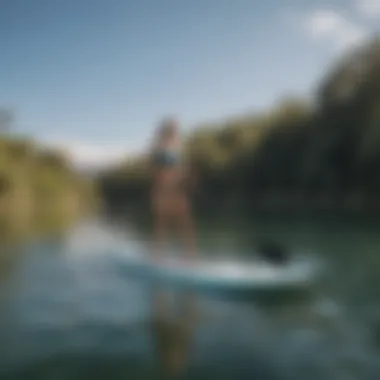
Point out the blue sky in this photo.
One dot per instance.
(94, 76)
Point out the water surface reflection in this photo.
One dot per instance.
(172, 332)
(71, 313)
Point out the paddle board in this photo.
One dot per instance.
(230, 276)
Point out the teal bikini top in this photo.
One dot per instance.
(166, 157)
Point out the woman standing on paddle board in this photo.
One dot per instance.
(170, 198)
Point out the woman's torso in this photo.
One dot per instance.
(168, 164)
(167, 157)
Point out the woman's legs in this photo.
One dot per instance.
(160, 225)
(186, 225)
(168, 208)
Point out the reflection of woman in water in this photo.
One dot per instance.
(170, 198)
(172, 336)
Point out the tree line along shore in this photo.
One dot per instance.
(39, 189)
(317, 153)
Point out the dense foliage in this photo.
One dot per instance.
(323, 152)
(38, 188)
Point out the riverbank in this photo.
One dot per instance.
(39, 189)
(269, 204)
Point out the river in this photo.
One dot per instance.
(69, 312)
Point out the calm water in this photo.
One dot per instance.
(69, 311)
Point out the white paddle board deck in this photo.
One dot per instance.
(224, 276)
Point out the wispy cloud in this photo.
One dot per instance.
(342, 28)
(367, 8)
(334, 28)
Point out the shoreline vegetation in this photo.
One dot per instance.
(318, 155)
(39, 190)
